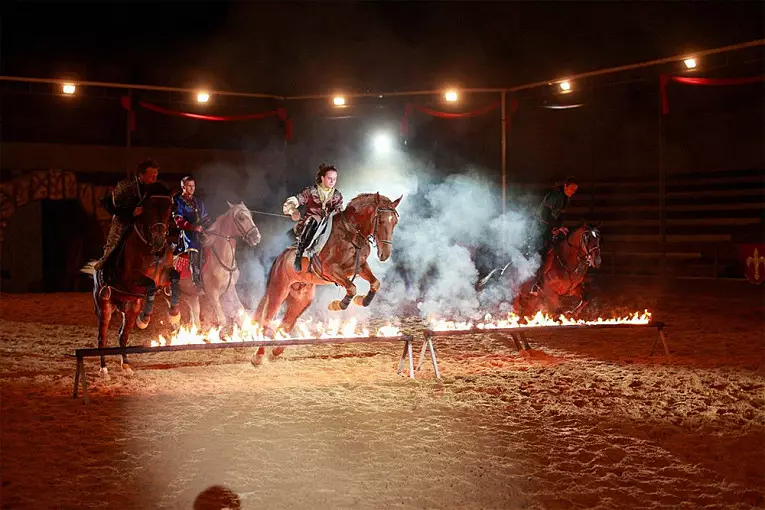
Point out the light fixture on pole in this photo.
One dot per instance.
(68, 88)
(690, 63)
(451, 96)
(338, 101)
(203, 96)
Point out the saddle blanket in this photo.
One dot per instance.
(181, 264)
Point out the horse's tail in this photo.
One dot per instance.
(89, 268)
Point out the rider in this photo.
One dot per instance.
(549, 221)
(190, 215)
(320, 200)
(124, 203)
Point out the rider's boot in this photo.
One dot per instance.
(305, 237)
(195, 267)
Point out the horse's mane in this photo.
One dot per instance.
(366, 199)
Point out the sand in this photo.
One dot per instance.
(586, 419)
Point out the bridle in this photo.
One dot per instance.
(376, 221)
(157, 231)
(243, 234)
(585, 253)
(372, 238)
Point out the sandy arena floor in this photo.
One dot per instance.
(585, 420)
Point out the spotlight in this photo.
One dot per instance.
(382, 142)
(690, 63)
(338, 101)
(451, 96)
(203, 97)
(68, 88)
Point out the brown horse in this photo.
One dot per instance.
(144, 258)
(220, 272)
(370, 217)
(565, 267)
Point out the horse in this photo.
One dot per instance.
(564, 269)
(220, 272)
(369, 217)
(139, 263)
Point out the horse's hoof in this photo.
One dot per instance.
(277, 351)
(358, 300)
(257, 360)
(128, 371)
(104, 373)
(334, 306)
(142, 322)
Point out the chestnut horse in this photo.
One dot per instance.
(370, 217)
(142, 261)
(565, 267)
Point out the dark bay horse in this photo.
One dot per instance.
(369, 217)
(143, 259)
(564, 267)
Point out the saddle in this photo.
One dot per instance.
(320, 237)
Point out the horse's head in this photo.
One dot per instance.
(376, 217)
(241, 217)
(587, 237)
(151, 224)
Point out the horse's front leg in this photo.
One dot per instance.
(374, 285)
(132, 309)
(338, 277)
(583, 294)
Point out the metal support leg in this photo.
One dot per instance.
(517, 341)
(77, 378)
(411, 358)
(84, 379)
(403, 358)
(525, 341)
(660, 336)
(422, 354)
(433, 357)
(663, 341)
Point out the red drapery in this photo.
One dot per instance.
(444, 115)
(664, 80)
(281, 113)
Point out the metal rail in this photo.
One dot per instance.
(81, 354)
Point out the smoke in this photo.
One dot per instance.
(450, 234)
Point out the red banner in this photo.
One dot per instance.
(443, 115)
(752, 258)
(664, 79)
(281, 113)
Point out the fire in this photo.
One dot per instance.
(515, 321)
(252, 331)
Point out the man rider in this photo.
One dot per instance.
(190, 216)
(549, 221)
(124, 202)
(320, 200)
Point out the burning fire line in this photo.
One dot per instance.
(252, 331)
(538, 320)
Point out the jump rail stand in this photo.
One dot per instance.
(518, 335)
(81, 354)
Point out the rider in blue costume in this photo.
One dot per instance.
(190, 216)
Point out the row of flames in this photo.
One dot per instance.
(335, 328)
(252, 331)
(539, 320)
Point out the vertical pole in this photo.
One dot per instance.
(503, 116)
(128, 132)
(662, 192)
